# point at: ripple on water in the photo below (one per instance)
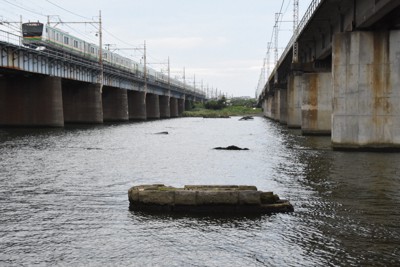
(63, 197)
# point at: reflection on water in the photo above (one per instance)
(63, 197)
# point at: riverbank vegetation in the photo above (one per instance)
(224, 108)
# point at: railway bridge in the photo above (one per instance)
(51, 87)
(340, 75)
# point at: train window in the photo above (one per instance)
(92, 50)
(76, 44)
(66, 40)
(57, 37)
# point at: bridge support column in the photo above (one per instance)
(264, 107)
(35, 101)
(82, 103)
(181, 106)
(277, 105)
(283, 108)
(270, 107)
(174, 111)
(165, 109)
(188, 104)
(115, 104)
(137, 105)
(294, 100)
(152, 106)
(316, 109)
(366, 95)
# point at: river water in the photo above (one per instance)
(63, 197)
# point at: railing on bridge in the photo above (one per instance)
(302, 24)
(11, 38)
(152, 75)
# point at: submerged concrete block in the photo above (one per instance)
(249, 197)
(156, 197)
(217, 198)
(205, 199)
(267, 198)
(133, 195)
(185, 197)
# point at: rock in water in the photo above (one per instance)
(245, 118)
(230, 148)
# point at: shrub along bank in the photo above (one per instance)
(220, 108)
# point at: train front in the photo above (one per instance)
(32, 33)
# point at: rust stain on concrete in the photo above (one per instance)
(313, 101)
(380, 83)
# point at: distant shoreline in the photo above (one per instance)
(223, 113)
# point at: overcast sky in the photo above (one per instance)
(222, 42)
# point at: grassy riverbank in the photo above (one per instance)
(200, 111)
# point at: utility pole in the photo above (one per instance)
(295, 15)
(101, 53)
(295, 31)
(145, 67)
(169, 74)
(269, 59)
(184, 79)
(276, 30)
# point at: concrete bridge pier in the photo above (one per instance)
(115, 104)
(152, 106)
(276, 112)
(269, 107)
(283, 107)
(188, 104)
(264, 107)
(165, 109)
(181, 106)
(82, 102)
(366, 95)
(294, 100)
(33, 101)
(174, 111)
(137, 105)
(316, 109)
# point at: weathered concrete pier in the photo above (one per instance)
(339, 75)
(206, 199)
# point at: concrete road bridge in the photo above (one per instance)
(340, 75)
(47, 86)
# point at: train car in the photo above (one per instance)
(36, 34)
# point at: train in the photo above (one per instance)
(37, 34)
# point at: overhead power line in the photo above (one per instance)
(69, 11)
(24, 8)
